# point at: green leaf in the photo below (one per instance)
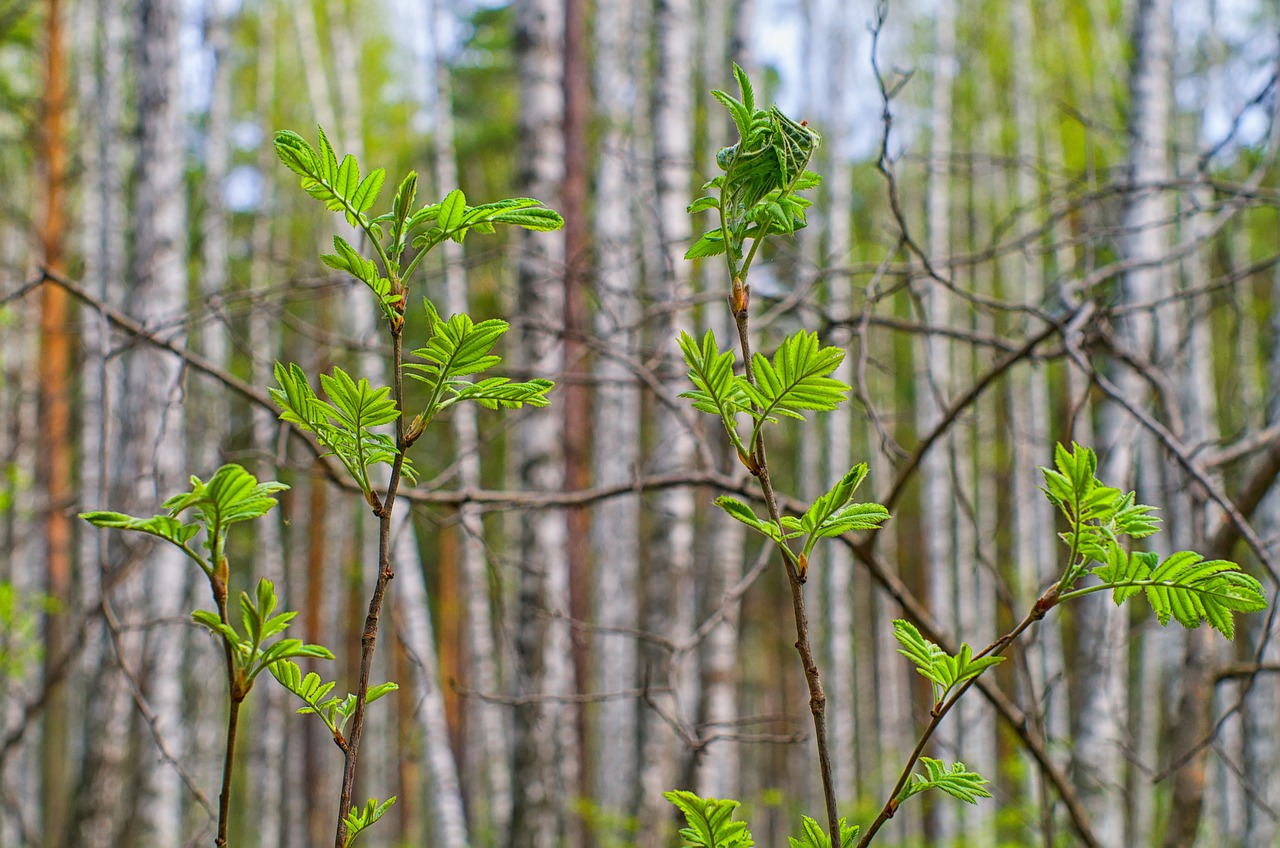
(342, 427)
(833, 514)
(812, 835)
(796, 380)
(162, 526)
(737, 509)
(958, 782)
(936, 665)
(704, 203)
(710, 821)
(716, 390)
(495, 392)
(452, 210)
(1191, 589)
(232, 495)
(210, 620)
(366, 194)
(711, 244)
(360, 819)
(536, 219)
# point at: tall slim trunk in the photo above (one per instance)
(489, 795)
(414, 618)
(670, 605)
(279, 809)
(54, 452)
(848, 748)
(717, 773)
(103, 48)
(544, 768)
(933, 385)
(1262, 725)
(616, 529)
(152, 438)
(1102, 715)
(1035, 543)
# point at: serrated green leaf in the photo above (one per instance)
(452, 210)
(796, 380)
(710, 244)
(958, 782)
(740, 511)
(710, 822)
(716, 390)
(163, 526)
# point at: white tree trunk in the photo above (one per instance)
(414, 613)
(940, 515)
(1103, 713)
(486, 741)
(545, 766)
(669, 591)
(616, 524)
(152, 450)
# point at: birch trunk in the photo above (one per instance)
(414, 614)
(616, 525)
(544, 768)
(1262, 725)
(276, 814)
(152, 452)
(717, 772)
(1102, 715)
(849, 750)
(486, 739)
(1036, 544)
(96, 801)
(933, 386)
(670, 605)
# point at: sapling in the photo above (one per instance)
(757, 196)
(350, 424)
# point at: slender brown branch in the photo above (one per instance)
(228, 761)
(369, 638)
(817, 697)
(938, 713)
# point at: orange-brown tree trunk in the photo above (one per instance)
(55, 425)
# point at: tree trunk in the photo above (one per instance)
(670, 605)
(486, 739)
(616, 528)
(414, 617)
(940, 515)
(544, 768)
(1102, 714)
(55, 441)
(152, 444)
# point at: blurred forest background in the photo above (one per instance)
(1040, 221)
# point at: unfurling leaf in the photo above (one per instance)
(958, 782)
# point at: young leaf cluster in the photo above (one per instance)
(343, 426)
(957, 781)
(796, 380)
(460, 348)
(337, 184)
(254, 651)
(335, 712)
(834, 513)
(941, 669)
(1184, 587)
(710, 824)
(360, 818)
(231, 496)
(762, 173)
(813, 836)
